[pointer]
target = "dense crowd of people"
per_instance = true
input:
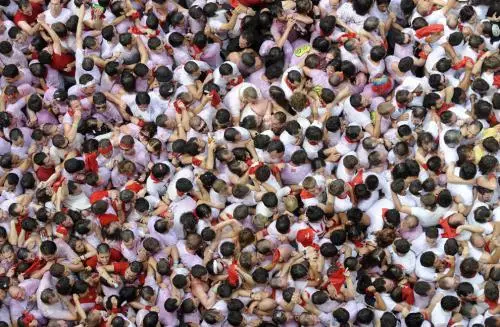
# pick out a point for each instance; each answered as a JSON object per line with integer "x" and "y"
{"x": 249, "y": 163}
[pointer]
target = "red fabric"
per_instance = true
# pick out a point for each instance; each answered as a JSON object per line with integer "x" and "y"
{"x": 428, "y": 30}
{"x": 350, "y": 35}
{"x": 31, "y": 19}
{"x": 358, "y": 179}
{"x": 177, "y": 106}
{"x": 496, "y": 81}
{"x": 249, "y": 3}
{"x": 115, "y": 255}
{"x": 444, "y": 108}
{"x": 216, "y": 100}
{"x": 491, "y": 304}
{"x": 91, "y": 262}
{"x": 232, "y": 83}
{"x": 232, "y": 275}
{"x": 154, "y": 179}
{"x": 449, "y": 232}
{"x": 62, "y": 230}
{"x": 349, "y": 140}
{"x": 276, "y": 255}
{"x": 135, "y": 15}
{"x": 35, "y": 265}
{"x": 106, "y": 150}
{"x": 196, "y": 162}
{"x": 304, "y": 194}
{"x": 305, "y": 236}
{"x": 120, "y": 267}
{"x": 106, "y": 219}
{"x": 408, "y": 295}
{"x": 134, "y": 187}
{"x": 58, "y": 183}
{"x": 44, "y": 173}
{"x": 290, "y": 85}
{"x": 462, "y": 63}
{"x": 253, "y": 169}
{"x": 337, "y": 278}
{"x": 90, "y": 297}
{"x": 98, "y": 195}
{"x": 91, "y": 162}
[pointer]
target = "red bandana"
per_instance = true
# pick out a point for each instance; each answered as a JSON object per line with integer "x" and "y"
{"x": 106, "y": 150}
{"x": 91, "y": 162}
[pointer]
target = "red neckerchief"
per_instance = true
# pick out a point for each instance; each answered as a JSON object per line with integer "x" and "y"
{"x": 177, "y": 106}
{"x": 276, "y": 256}
{"x": 358, "y": 179}
{"x": 27, "y": 318}
{"x": 71, "y": 112}
{"x": 90, "y": 297}
{"x": 232, "y": 274}
{"x": 358, "y": 244}
{"x": 343, "y": 195}
{"x": 491, "y": 304}
{"x": 290, "y": 85}
{"x": 106, "y": 150}
{"x": 106, "y": 218}
{"x": 216, "y": 100}
{"x": 349, "y": 141}
{"x": 154, "y": 179}
{"x": 313, "y": 142}
{"x": 35, "y": 265}
{"x": 496, "y": 81}
{"x": 98, "y": 195}
{"x": 444, "y": 107}
{"x": 134, "y": 187}
{"x": 461, "y": 64}
{"x": 253, "y": 169}
{"x": 449, "y": 232}
{"x": 196, "y": 162}
{"x": 401, "y": 105}
{"x": 304, "y": 194}
{"x": 359, "y": 110}
{"x": 235, "y": 81}
{"x": 408, "y": 295}
{"x": 196, "y": 49}
{"x": 91, "y": 162}
{"x": 350, "y": 35}
{"x": 384, "y": 212}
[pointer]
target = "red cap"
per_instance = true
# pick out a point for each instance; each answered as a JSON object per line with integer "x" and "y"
{"x": 428, "y": 30}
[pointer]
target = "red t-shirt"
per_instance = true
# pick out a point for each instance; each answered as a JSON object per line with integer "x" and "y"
{"x": 31, "y": 19}
{"x": 59, "y": 62}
